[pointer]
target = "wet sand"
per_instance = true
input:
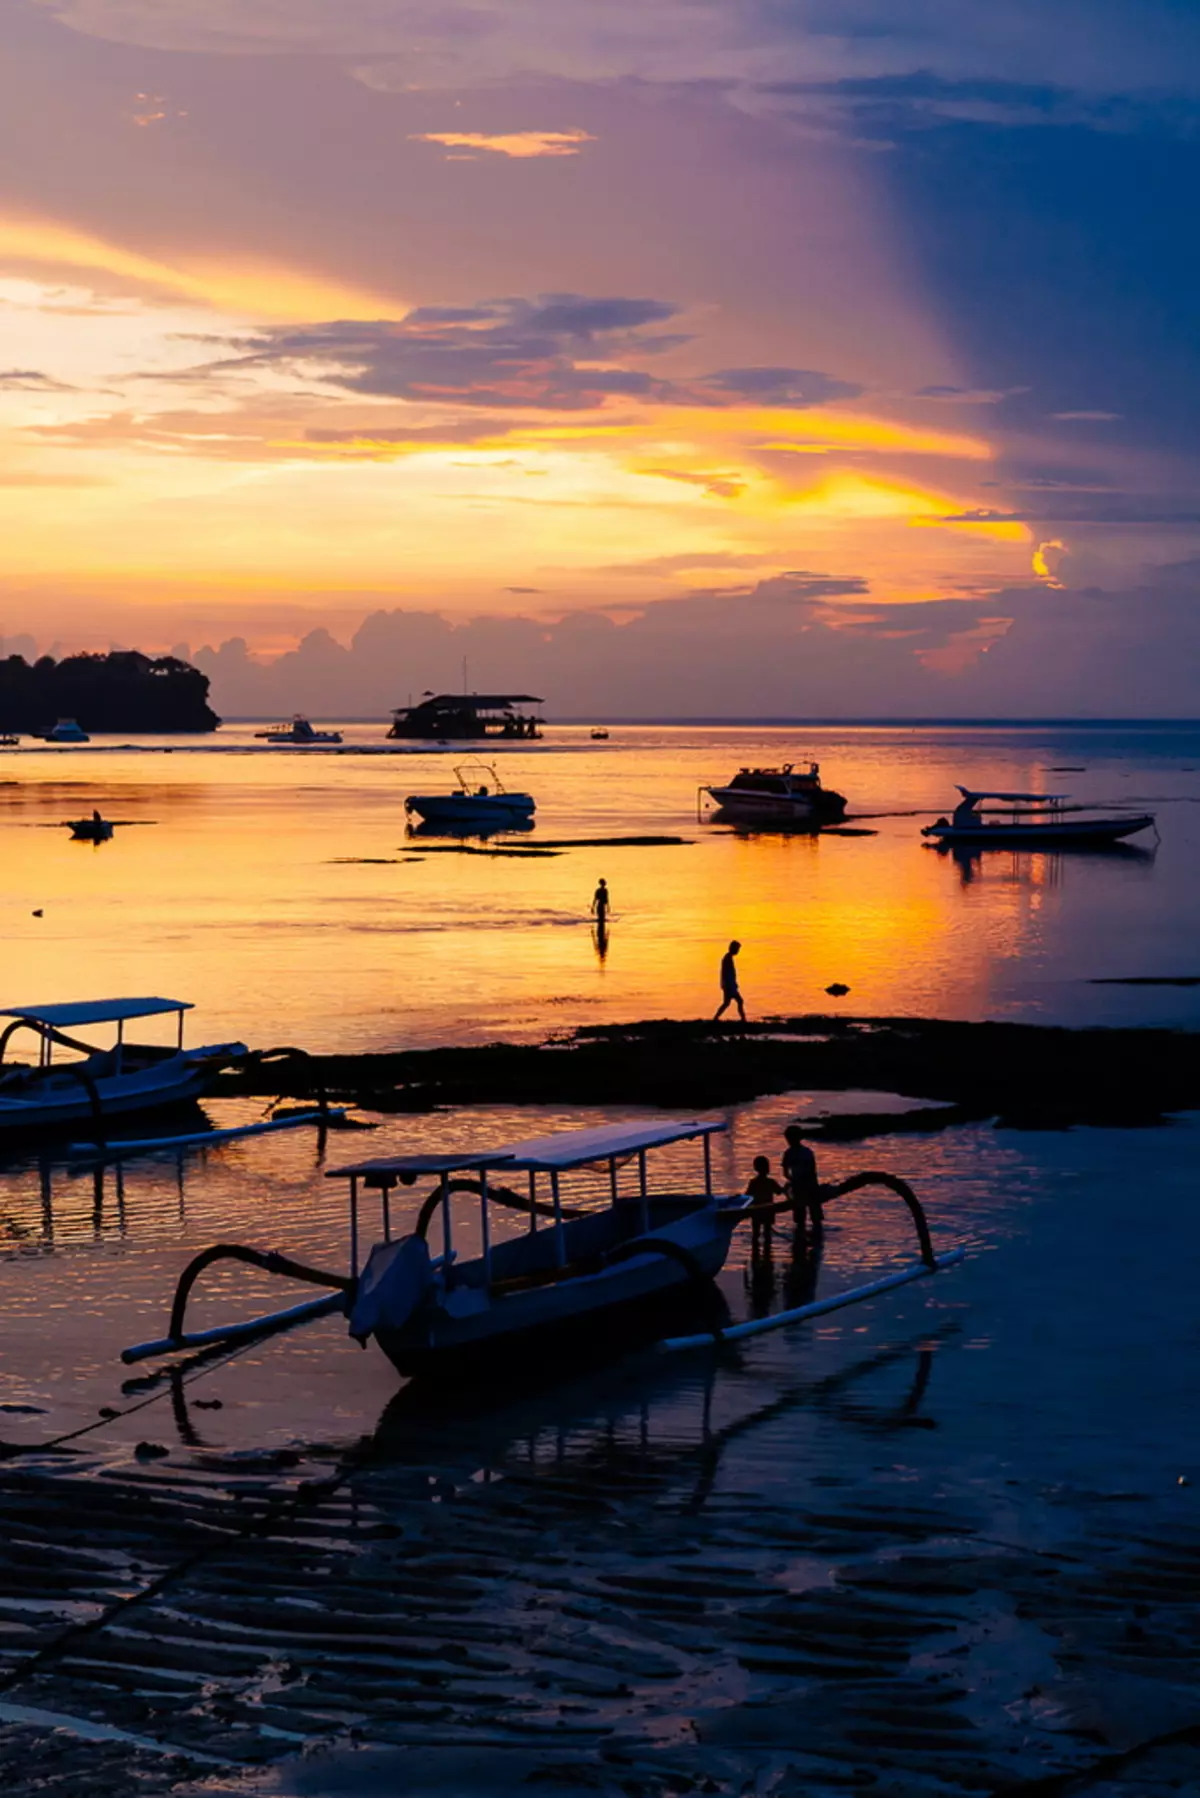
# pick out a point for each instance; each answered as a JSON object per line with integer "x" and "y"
{"x": 946, "y": 1543}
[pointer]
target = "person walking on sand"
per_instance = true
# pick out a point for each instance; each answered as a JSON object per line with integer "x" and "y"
{"x": 600, "y": 903}
{"x": 730, "y": 993}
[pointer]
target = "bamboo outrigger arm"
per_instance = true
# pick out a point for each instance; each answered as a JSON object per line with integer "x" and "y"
{"x": 271, "y": 1262}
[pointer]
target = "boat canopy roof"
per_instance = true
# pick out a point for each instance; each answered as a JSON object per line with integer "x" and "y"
{"x": 95, "y": 1011}
{"x": 564, "y": 1149}
{"x": 1015, "y": 798}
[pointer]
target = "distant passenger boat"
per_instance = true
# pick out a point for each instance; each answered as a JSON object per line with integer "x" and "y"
{"x": 465, "y": 717}
{"x": 599, "y": 735}
{"x": 1034, "y": 821}
{"x": 777, "y": 797}
{"x": 300, "y": 733}
{"x": 67, "y": 731}
{"x": 474, "y": 802}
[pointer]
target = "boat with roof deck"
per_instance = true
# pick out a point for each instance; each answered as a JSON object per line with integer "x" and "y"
{"x": 300, "y": 734}
{"x": 461, "y": 717}
{"x": 1029, "y": 821}
{"x": 87, "y": 1084}
{"x": 609, "y": 1256}
{"x": 777, "y": 797}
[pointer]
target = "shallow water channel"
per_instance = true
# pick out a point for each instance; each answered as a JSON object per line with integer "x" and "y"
{"x": 946, "y": 1541}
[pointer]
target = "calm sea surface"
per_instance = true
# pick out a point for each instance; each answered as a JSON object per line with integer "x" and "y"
{"x": 278, "y": 891}
{"x": 948, "y": 1536}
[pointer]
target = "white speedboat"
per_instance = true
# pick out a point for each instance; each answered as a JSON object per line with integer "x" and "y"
{"x": 1029, "y": 821}
{"x": 474, "y": 802}
{"x": 86, "y": 1085}
{"x": 300, "y": 733}
{"x": 777, "y": 796}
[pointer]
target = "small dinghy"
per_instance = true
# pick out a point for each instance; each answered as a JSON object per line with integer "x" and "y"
{"x": 91, "y": 830}
{"x": 1030, "y": 821}
{"x": 605, "y": 1262}
{"x": 474, "y": 802}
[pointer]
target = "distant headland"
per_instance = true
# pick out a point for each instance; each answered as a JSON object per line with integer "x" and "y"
{"x": 121, "y": 691}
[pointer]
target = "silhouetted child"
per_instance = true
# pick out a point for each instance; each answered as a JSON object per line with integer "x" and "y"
{"x": 762, "y": 1190}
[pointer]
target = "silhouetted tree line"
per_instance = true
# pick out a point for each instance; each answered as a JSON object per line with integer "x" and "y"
{"x": 121, "y": 691}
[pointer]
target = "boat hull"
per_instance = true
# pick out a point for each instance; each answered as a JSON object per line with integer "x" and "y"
{"x": 457, "y": 809}
{"x": 59, "y": 1100}
{"x": 1077, "y": 832}
{"x": 589, "y": 1314}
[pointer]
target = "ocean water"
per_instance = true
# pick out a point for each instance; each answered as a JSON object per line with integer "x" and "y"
{"x": 278, "y": 891}
{"x": 936, "y": 1543}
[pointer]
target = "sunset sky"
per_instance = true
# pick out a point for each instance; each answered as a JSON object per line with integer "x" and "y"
{"x": 833, "y": 349}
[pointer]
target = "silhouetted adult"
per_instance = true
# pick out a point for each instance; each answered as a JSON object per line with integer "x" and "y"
{"x": 800, "y": 1172}
{"x": 730, "y": 992}
{"x": 600, "y": 902}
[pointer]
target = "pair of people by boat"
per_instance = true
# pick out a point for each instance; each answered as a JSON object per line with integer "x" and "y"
{"x": 800, "y": 1193}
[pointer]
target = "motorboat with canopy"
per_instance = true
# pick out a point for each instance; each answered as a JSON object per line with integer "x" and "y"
{"x": 777, "y": 797}
{"x": 1030, "y": 821}
{"x": 609, "y": 1255}
{"x": 89, "y": 1084}
{"x": 475, "y": 803}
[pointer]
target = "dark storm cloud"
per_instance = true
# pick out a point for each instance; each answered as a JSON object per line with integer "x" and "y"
{"x": 565, "y": 352}
{"x": 782, "y": 386}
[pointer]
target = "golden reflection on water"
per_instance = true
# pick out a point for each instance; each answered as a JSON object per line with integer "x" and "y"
{"x": 278, "y": 890}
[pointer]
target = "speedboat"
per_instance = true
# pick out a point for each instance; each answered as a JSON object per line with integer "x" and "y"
{"x": 67, "y": 731}
{"x": 777, "y": 796}
{"x": 91, "y": 830}
{"x": 1030, "y": 821}
{"x": 474, "y": 802}
{"x": 300, "y": 733}
{"x": 99, "y": 1083}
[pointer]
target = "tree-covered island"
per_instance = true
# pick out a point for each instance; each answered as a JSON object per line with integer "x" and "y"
{"x": 121, "y": 691}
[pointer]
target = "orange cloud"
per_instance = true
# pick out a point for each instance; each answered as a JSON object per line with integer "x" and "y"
{"x": 517, "y": 144}
{"x": 255, "y": 290}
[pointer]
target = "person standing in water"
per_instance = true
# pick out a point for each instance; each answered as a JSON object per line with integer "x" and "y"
{"x": 730, "y": 993}
{"x": 804, "y": 1188}
{"x": 600, "y": 903}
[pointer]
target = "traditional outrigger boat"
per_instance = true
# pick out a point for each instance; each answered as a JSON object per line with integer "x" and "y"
{"x": 1033, "y": 821}
{"x": 100, "y": 1083}
{"x": 614, "y": 1268}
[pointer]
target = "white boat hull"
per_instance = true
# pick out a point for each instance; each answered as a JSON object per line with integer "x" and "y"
{"x": 462, "y": 808}
{"x": 472, "y": 1324}
{"x": 33, "y": 1101}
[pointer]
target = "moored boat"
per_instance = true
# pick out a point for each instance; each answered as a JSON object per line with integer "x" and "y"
{"x": 91, "y": 830}
{"x": 65, "y": 731}
{"x": 624, "y": 1262}
{"x": 777, "y": 796}
{"x": 300, "y": 733}
{"x": 473, "y": 802}
{"x": 1029, "y": 821}
{"x": 99, "y": 1083}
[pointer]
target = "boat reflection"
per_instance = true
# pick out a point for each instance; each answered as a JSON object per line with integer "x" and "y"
{"x": 469, "y": 829}
{"x": 1037, "y": 867}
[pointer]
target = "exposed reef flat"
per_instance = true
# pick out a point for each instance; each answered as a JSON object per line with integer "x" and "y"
{"x": 1027, "y": 1075}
